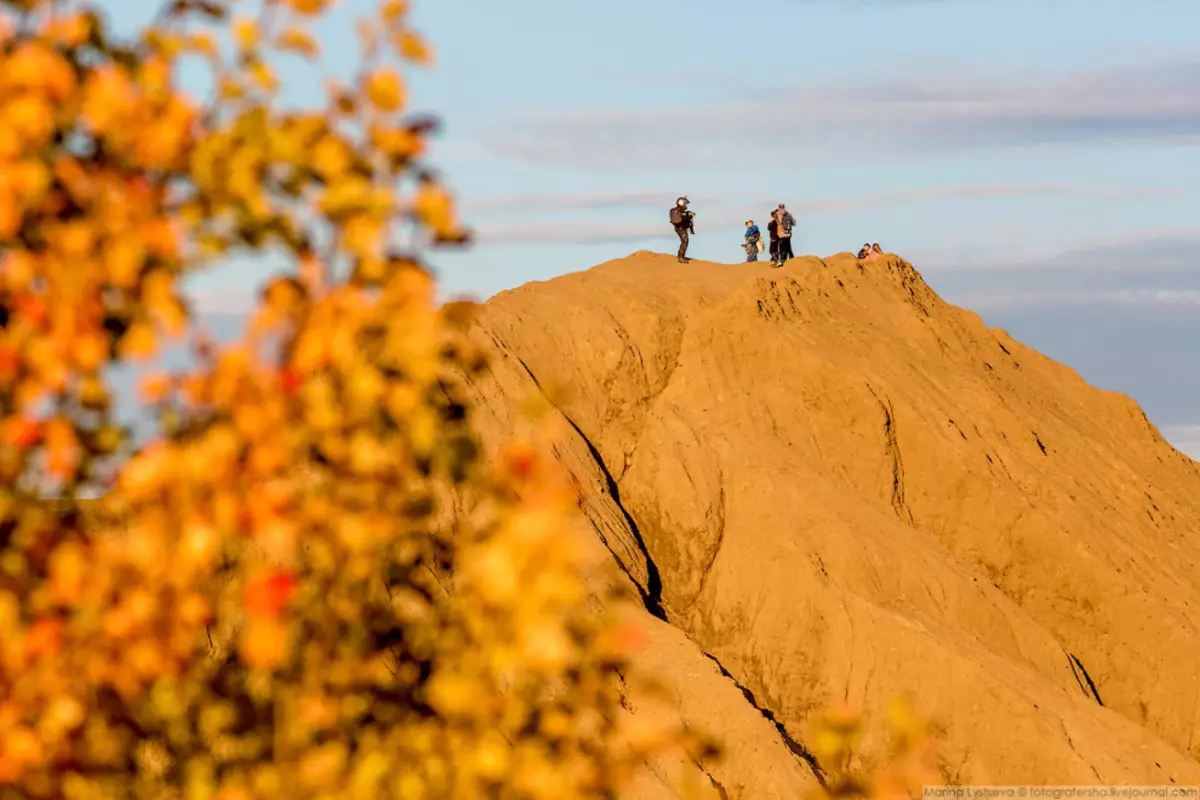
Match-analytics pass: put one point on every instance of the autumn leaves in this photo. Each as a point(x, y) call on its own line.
point(272, 598)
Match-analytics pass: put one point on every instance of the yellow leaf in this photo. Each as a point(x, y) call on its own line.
point(385, 89)
point(298, 40)
point(245, 33)
point(264, 76)
point(414, 48)
point(393, 10)
point(231, 89)
point(329, 157)
point(203, 43)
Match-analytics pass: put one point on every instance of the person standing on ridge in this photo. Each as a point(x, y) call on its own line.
point(786, 223)
point(753, 241)
point(773, 235)
point(683, 220)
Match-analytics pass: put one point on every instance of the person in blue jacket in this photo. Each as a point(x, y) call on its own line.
point(753, 237)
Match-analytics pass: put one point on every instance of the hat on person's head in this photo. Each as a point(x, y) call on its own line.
point(683, 201)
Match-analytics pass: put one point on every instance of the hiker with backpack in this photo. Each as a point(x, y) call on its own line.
point(786, 223)
point(752, 242)
point(683, 220)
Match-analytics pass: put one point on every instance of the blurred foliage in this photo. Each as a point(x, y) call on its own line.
point(271, 600)
point(902, 771)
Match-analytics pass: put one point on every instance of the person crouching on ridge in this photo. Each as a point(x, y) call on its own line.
point(753, 241)
point(683, 220)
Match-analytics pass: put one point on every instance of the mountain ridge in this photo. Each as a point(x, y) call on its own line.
point(835, 485)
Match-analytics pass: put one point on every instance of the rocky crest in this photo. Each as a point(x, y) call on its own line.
point(824, 483)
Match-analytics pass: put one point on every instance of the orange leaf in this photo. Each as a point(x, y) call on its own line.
point(10, 361)
point(62, 449)
point(32, 309)
point(290, 381)
point(265, 643)
point(21, 432)
point(268, 595)
point(308, 6)
point(44, 637)
point(68, 565)
point(155, 388)
point(90, 351)
point(139, 342)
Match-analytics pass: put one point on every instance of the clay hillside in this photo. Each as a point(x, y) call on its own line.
point(824, 483)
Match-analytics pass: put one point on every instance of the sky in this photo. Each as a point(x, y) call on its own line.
point(1038, 162)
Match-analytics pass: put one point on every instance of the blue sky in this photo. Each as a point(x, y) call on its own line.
point(1038, 161)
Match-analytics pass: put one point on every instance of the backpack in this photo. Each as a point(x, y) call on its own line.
point(787, 222)
point(676, 215)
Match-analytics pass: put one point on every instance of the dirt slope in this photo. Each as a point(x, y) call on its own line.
point(829, 484)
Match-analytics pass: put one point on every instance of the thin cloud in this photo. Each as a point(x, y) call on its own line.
point(1163, 251)
point(924, 113)
point(652, 198)
point(573, 232)
point(581, 201)
point(728, 212)
point(993, 300)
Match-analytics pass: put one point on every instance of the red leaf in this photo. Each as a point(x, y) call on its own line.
point(269, 595)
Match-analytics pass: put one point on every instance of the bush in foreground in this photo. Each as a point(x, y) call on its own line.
point(266, 603)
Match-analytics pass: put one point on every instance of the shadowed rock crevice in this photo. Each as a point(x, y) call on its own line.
point(892, 448)
point(1082, 677)
point(797, 749)
point(651, 593)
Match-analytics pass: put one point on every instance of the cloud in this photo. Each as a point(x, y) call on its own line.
point(653, 198)
point(992, 300)
point(1162, 251)
point(582, 201)
point(927, 113)
point(574, 232)
point(726, 212)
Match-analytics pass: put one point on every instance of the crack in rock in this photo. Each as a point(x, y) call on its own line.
point(651, 593)
point(1082, 676)
point(892, 447)
point(797, 749)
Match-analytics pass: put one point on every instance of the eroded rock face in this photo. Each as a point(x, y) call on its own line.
point(829, 484)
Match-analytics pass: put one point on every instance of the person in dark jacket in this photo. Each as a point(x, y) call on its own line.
point(683, 220)
point(786, 223)
point(752, 240)
point(773, 236)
